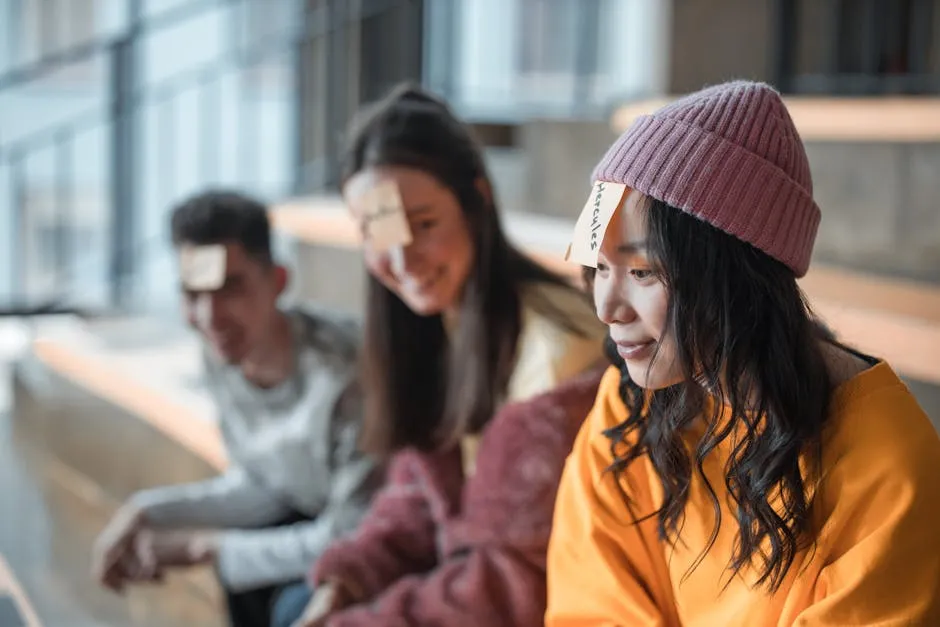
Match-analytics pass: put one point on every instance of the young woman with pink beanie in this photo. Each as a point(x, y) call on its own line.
point(740, 467)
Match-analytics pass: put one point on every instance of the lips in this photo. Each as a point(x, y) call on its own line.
point(633, 351)
point(425, 283)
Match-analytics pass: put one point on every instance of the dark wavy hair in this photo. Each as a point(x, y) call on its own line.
point(423, 389)
point(748, 345)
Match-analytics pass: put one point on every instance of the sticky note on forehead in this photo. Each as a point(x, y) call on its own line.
point(202, 268)
point(383, 215)
point(592, 223)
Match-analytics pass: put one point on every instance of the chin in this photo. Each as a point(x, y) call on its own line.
point(425, 310)
point(424, 306)
point(651, 379)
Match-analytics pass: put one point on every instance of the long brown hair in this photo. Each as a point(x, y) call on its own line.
point(423, 390)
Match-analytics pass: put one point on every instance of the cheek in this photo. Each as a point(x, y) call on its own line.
point(652, 306)
point(452, 248)
point(600, 288)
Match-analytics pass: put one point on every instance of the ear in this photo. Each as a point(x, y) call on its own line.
point(485, 189)
point(281, 278)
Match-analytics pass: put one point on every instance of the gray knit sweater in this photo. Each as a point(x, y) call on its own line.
point(292, 450)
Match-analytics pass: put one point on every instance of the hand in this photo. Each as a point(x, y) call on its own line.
point(158, 550)
point(328, 598)
point(113, 551)
point(133, 569)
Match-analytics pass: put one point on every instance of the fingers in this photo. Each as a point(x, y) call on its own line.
point(106, 564)
point(128, 560)
point(112, 544)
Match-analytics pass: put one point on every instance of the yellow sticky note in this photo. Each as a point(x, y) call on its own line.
point(202, 268)
point(384, 220)
point(592, 223)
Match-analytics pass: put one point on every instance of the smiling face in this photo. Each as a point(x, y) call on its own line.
point(632, 300)
point(428, 274)
point(235, 320)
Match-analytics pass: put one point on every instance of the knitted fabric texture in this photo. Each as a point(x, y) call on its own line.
point(438, 548)
point(731, 156)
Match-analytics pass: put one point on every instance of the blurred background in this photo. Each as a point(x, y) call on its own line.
point(112, 110)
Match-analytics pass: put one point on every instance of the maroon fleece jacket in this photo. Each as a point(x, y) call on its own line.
point(438, 549)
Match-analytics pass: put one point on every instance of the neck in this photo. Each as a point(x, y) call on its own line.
point(272, 362)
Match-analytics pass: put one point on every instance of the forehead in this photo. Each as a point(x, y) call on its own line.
point(628, 223)
point(414, 185)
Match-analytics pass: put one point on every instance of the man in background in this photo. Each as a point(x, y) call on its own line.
point(285, 384)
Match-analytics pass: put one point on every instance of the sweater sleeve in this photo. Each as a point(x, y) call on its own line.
point(394, 539)
point(229, 500)
point(254, 558)
point(493, 571)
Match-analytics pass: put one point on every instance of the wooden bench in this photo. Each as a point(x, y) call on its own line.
point(108, 380)
point(894, 319)
point(837, 119)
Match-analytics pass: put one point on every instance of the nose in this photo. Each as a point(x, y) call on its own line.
point(612, 299)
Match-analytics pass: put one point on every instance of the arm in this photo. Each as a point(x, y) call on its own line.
point(395, 538)
point(595, 535)
point(487, 586)
point(251, 559)
point(230, 500)
point(233, 499)
point(494, 572)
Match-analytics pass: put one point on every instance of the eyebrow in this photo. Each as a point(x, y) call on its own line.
point(632, 247)
point(419, 209)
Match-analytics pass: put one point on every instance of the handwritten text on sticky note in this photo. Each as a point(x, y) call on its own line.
point(592, 223)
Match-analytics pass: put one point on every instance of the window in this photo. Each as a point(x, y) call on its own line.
point(859, 46)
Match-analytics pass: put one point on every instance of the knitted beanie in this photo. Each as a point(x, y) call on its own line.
point(729, 155)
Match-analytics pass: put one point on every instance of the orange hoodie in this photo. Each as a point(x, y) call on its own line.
point(876, 559)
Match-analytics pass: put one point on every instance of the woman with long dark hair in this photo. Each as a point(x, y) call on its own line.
point(480, 366)
point(740, 467)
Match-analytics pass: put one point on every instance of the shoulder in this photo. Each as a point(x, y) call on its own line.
point(560, 338)
point(592, 453)
point(568, 402)
point(880, 452)
point(522, 455)
point(542, 427)
point(561, 310)
point(608, 410)
point(327, 331)
point(876, 412)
